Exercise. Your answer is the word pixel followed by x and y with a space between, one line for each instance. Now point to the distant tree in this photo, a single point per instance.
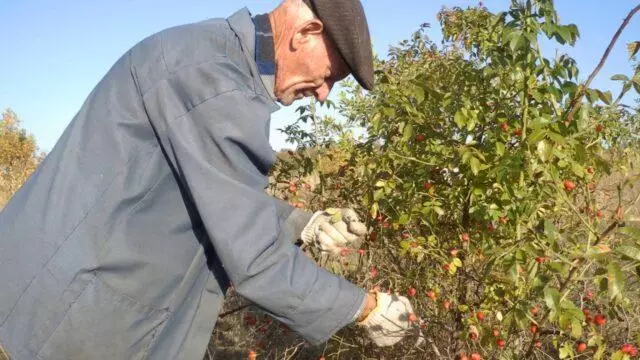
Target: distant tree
pixel 19 155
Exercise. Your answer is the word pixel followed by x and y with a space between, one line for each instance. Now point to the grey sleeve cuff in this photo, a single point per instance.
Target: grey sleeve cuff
pixel 357 314
pixel 345 310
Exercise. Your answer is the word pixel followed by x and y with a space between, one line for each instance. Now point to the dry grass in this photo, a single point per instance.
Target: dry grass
pixel 3 354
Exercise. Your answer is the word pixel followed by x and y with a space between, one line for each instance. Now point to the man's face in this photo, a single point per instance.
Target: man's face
pixel 311 68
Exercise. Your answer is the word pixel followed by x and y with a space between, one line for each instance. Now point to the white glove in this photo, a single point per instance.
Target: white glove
pixel 389 322
pixel 333 229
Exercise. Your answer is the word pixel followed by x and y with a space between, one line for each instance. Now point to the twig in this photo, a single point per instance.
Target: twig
pixel 434 347
pixel 233 311
pixel 582 90
pixel 411 158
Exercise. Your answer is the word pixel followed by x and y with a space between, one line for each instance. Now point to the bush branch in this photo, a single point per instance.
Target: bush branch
pixel 583 89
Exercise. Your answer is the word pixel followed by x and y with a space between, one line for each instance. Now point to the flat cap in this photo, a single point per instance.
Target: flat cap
pixel 346 25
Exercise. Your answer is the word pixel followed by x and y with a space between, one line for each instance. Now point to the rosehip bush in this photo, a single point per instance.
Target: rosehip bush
pixel 486 146
pixel 498 188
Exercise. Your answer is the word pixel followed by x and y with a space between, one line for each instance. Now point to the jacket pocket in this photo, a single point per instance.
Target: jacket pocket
pixel 104 324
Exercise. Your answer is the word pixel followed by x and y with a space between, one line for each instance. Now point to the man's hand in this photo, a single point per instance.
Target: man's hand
pixel 389 321
pixel 333 229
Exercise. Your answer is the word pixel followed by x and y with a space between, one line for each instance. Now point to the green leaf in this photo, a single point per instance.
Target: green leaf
pixel 544 150
pixel 516 42
pixel 407 132
pixel 620 77
pixel 500 148
pixel 333 211
pixel 551 298
pixel 615 280
pixel 629 251
pixel 471 124
pixel 565 351
pixel 452 269
pixel 536 135
pixel 389 112
pixel 375 121
pixel 632 232
pixel 457 262
pixel 576 329
pixel 619 355
pixel 633 48
pixel 565 33
pixel 374 210
pixel 598 252
pixel 592 95
pixel 557 138
pixel 577 169
pixel 475 165
pixel 595 341
pixel 466 154
pixel 606 97
pixel 404 245
pixel 575 33
pixel 418 93
pixel 404 218
pixel 336 217
pixel 460 119
pixel 600 353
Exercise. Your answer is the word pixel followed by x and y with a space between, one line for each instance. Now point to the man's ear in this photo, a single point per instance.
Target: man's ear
pixel 305 32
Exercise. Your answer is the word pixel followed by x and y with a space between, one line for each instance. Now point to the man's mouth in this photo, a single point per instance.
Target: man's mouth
pixel 303 94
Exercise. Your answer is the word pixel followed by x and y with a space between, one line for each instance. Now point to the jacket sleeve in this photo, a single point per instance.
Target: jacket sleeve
pixel 222 156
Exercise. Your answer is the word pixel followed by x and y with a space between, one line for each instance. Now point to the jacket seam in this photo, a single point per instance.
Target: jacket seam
pixel 98 275
pixel 138 203
pixel 66 312
pixel 208 98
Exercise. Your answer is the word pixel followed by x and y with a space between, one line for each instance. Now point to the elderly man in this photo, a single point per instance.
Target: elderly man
pixel 124 241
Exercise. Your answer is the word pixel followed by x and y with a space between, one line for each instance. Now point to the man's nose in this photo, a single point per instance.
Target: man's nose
pixel 322 93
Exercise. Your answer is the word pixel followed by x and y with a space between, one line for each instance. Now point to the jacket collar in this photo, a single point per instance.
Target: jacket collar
pixel 265 50
pixel 242 24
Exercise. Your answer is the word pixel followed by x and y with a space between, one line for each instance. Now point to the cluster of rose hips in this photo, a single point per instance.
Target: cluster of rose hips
pixel 629 350
pixel 473 356
pixel 293 189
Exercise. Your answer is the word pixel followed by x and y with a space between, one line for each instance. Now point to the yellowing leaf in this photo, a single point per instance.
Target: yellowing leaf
pixel 460 119
pixel 544 150
pixel 576 329
pixel 629 251
pixel 615 281
pixel 633 48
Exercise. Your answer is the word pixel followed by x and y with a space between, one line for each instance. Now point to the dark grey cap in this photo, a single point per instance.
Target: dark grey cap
pixel 346 25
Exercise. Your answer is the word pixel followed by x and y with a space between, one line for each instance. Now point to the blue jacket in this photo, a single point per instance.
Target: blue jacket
pixel 123 242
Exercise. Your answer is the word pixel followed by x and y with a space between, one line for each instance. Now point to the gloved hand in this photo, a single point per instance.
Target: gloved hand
pixel 389 322
pixel 333 229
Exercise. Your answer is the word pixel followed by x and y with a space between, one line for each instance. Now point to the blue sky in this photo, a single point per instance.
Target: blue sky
pixel 54 52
